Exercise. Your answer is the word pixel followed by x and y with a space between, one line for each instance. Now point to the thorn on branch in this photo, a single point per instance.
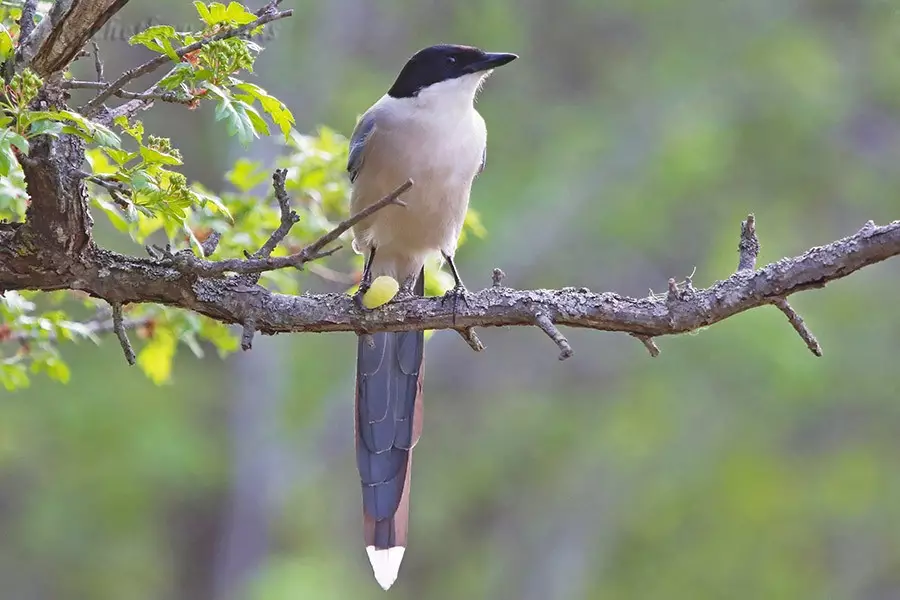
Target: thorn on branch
pixel 471 338
pixel 119 329
pixel 673 290
pixel 648 342
pixel 247 335
pixel 799 326
pixel 547 326
pixel 749 245
pixel 497 277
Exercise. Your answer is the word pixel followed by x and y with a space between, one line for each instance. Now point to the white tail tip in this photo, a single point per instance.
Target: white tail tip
pixel 385 564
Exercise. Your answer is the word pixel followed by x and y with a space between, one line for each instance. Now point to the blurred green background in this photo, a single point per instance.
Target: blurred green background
pixel 625 147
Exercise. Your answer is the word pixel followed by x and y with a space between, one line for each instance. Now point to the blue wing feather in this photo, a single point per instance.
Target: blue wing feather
pixel 358 144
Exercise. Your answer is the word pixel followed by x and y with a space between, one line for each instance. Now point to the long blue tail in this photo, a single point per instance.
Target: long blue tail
pixel 388 424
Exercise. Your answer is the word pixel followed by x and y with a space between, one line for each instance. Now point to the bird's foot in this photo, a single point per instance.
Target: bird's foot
pixel 406 289
pixel 360 292
pixel 457 293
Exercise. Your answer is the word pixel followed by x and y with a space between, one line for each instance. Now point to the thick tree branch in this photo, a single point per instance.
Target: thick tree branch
pixel 58 39
pixel 124 279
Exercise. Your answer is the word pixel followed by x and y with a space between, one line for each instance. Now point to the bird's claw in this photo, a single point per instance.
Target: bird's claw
pixel 456 293
pixel 358 296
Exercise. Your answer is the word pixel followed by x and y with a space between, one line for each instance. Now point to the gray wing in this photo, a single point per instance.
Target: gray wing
pixel 358 140
pixel 483 160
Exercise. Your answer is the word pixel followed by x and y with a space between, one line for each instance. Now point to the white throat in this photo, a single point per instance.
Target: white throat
pixel 453 94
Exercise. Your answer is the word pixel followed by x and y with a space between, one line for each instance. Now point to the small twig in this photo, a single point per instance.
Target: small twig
pixel 799 326
pixel 270 7
pixel 544 322
pixel 98 64
pixel 749 245
pixel 173 97
pixel 649 344
pixel 186 261
pixel 471 338
pixel 346 224
pixel 153 64
pixel 288 216
pixel 211 242
pixel 119 329
pixel 497 277
pixel 247 335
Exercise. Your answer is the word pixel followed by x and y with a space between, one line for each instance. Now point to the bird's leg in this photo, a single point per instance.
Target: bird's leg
pixel 365 282
pixel 406 288
pixel 458 291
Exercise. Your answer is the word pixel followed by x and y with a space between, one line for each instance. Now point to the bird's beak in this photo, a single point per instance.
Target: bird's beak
pixel 492 60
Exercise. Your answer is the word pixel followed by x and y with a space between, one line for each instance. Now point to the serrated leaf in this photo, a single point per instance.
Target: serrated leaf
pixel 239 14
pixel 205 16
pixel 156 38
pixel 275 108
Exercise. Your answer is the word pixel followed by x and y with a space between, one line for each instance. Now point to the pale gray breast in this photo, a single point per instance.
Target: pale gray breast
pixel 442 154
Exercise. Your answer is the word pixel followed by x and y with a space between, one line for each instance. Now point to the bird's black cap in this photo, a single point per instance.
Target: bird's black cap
pixel 442 62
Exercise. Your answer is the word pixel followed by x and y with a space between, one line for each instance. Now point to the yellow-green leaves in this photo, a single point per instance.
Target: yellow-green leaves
pixel 155 359
pixel 6 44
pixel 217 13
pixel 275 108
pixel 157 38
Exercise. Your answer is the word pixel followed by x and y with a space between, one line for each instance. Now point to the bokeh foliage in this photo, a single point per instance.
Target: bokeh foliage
pixel 626 145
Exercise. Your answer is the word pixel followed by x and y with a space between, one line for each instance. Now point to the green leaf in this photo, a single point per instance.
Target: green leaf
pixel 259 125
pixel 203 12
pixel 45 127
pixel 181 73
pixel 155 359
pixel 57 369
pixel 120 157
pixel 155 156
pixel 6 43
pixel 246 174
pixel 235 114
pixel 141 181
pixel 156 38
pixel 275 108
pixel 239 14
pixel 13 376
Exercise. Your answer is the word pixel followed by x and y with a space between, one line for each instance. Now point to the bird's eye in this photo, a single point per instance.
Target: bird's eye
pixel 451 59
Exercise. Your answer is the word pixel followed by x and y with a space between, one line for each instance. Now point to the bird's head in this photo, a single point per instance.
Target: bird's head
pixel 447 71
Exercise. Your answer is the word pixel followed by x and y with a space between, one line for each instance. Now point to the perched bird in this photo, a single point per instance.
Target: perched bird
pixel 425 128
